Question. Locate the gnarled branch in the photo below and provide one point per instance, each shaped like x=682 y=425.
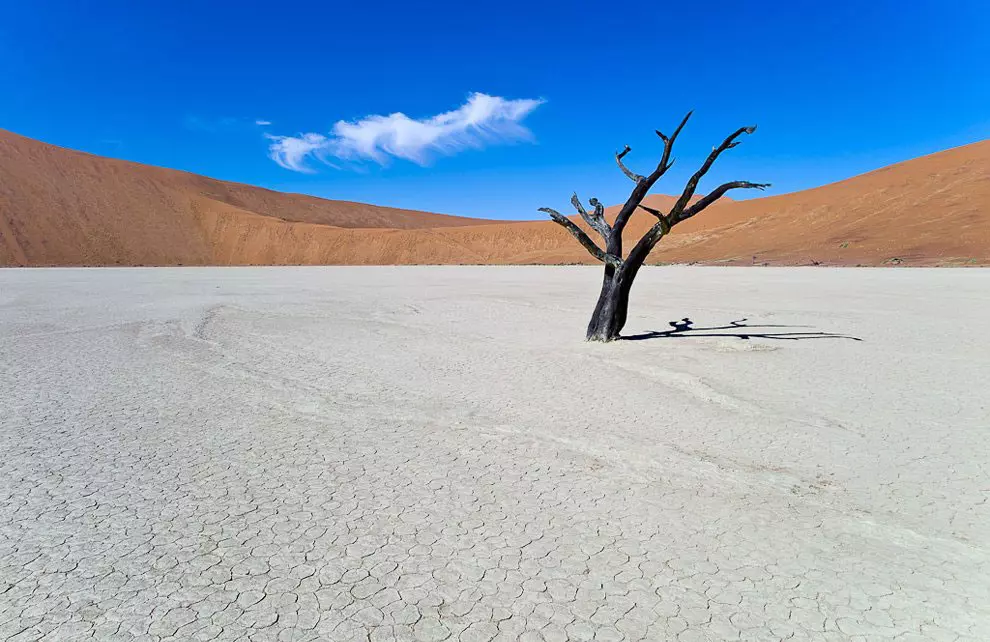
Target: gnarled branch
x=609 y=316
x=595 y=219
x=583 y=238
x=633 y=176
x=643 y=187
x=599 y=208
x=680 y=212
x=692 y=184
x=716 y=194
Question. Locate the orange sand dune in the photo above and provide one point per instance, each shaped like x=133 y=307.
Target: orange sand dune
x=61 y=207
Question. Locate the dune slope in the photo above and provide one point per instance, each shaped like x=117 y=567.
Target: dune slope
x=62 y=207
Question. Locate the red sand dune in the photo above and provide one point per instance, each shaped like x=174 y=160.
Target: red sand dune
x=62 y=207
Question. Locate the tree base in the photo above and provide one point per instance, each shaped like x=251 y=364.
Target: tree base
x=610 y=314
x=602 y=332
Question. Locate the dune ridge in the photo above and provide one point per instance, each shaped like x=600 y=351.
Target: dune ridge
x=63 y=207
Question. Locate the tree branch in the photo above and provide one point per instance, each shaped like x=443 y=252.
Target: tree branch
x=643 y=187
x=626 y=269
x=637 y=256
x=716 y=194
x=583 y=238
x=678 y=212
x=668 y=147
x=652 y=211
x=633 y=176
x=596 y=219
x=599 y=209
x=692 y=184
x=662 y=227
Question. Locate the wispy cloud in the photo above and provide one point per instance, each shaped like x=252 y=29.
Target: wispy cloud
x=225 y=125
x=482 y=120
x=291 y=152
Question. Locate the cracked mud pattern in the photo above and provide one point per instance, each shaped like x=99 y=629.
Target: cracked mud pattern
x=434 y=454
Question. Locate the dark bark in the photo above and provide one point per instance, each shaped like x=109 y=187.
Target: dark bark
x=611 y=310
x=583 y=239
x=633 y=176
x=595 y=219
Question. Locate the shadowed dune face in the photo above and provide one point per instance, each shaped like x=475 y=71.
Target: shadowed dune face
x=61 y=207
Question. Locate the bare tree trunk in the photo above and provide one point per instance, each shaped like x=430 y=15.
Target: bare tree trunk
x=609 y=316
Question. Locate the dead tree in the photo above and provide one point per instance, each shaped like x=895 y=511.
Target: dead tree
x=610 y=312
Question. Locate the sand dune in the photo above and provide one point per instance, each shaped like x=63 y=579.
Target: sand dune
x=62 y=207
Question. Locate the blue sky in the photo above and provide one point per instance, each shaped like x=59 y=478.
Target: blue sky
x=837 y=88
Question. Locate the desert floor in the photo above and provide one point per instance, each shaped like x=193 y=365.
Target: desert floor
x=435 y=453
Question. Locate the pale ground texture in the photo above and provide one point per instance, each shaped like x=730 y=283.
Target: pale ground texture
x=435 y=454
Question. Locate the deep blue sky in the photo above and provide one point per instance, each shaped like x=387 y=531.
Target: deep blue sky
x=837 y=88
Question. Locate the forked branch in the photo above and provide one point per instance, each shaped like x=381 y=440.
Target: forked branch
x=643 y=187
x=583 y=238
x=716 y=194
x=662 y=227
x=692 y=184
x=595 y=219
x=668 y=146
x=626 y=269
x=610 y=312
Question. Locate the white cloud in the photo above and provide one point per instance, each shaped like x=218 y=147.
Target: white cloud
x=262 y=122
x=482 y=120
x=290 y=152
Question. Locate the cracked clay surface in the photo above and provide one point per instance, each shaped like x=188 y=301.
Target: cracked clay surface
x=424 y=453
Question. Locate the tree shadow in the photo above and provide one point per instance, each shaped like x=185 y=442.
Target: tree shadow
x=685 y=329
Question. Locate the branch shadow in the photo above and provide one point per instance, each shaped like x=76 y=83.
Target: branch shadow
x=684 y=329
